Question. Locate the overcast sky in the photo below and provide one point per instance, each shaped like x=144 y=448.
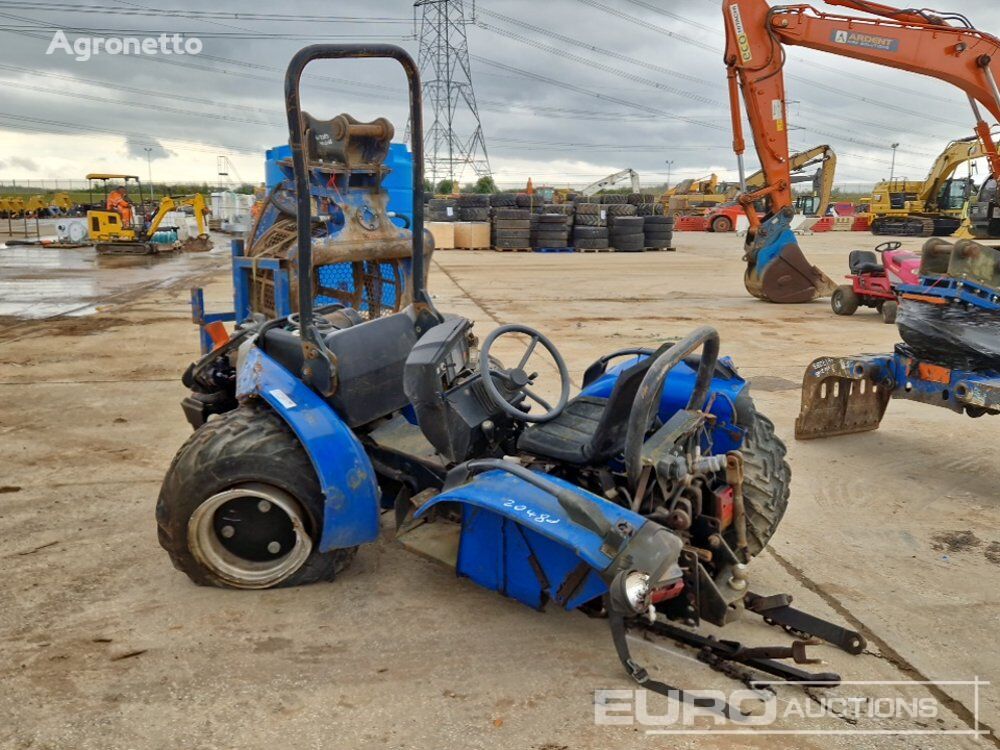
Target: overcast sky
x=554 y=105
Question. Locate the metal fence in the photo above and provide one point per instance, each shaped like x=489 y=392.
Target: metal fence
x=14 y=187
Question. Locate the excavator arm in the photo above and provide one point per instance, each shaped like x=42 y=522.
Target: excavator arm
x=611 y=180
x=169 y=203
x=955 y=155
x=756 y=33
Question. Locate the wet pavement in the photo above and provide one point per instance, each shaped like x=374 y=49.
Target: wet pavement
x=38 y=282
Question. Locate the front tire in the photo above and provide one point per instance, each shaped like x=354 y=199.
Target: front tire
x=241 y=507
x=766 y=484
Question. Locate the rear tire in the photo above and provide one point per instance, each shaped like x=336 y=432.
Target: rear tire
x=844 y=301
x=766 y=484
x=889 y=309
x=241 y=507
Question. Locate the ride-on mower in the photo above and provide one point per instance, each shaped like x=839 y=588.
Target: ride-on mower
x=873 y=284
x=643 y=498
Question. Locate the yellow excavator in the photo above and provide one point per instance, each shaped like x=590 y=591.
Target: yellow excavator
x=932 y=207
x=115 y=232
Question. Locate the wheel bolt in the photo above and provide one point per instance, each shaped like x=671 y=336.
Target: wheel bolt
x=263 y=506
x=228 y=532
x=274 y=548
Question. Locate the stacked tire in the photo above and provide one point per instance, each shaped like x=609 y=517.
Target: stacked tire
x=625 y=228
x=503 y=200
x=590 y=231
x=442 y=209
x=551 y=230
x=511 y=228
x=474 y=207
x=658 y=232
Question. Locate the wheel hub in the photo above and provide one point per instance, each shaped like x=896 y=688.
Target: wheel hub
x=252 y=535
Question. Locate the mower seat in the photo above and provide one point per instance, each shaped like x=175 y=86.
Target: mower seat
x=864 y=261
x=590 y=430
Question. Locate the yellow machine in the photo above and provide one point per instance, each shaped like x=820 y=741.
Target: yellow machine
x=696 y=197
x=112 y=237
x=932 y=207
x=699 y=197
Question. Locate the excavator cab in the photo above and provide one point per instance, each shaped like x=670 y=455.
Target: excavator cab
x=984 y=211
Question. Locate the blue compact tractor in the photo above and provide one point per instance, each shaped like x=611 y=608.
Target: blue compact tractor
x=642 y=499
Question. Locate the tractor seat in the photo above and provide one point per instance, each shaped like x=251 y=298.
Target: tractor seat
x=590 y=430
x=864 y=261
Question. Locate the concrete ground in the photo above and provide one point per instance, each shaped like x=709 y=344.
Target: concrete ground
x=104 y=645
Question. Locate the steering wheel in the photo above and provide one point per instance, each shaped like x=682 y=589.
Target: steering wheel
x=647 y=399
x=519 y=378
x=887 y=247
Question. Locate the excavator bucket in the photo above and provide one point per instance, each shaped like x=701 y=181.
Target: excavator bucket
x=777 y=269
x=199 y=244
x=841 y=396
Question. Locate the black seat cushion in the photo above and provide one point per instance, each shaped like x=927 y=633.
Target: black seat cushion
x=864 y=261
x=568 y=436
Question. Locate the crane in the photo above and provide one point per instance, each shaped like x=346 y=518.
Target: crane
x=915 y=40
x=611 y=180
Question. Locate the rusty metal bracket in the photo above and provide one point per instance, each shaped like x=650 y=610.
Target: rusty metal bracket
x=844 y=395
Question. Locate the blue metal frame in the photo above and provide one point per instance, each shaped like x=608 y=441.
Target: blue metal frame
x=903 y=374
x=346 y=475
x=955 y=290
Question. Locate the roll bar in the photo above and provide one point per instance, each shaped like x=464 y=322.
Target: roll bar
x=316 y=368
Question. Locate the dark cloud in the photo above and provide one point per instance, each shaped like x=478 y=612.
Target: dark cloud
x=19 y=162
x=137 y=148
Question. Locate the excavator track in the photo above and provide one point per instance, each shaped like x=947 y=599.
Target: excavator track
x=908 y=226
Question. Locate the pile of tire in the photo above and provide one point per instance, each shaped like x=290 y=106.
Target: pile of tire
x=511 y=229
x=590 y=231
x=474 y=207
x=658 y=232
x=442 y=209
x=551 y=230
x=625 y=229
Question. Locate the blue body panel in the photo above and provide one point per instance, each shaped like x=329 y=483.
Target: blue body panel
x=346 y=475
x=508 y=523
x=725 y=390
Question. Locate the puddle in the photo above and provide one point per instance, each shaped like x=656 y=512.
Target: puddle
x=38 y=282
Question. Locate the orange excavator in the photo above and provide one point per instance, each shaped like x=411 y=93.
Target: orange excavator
x=941 y=45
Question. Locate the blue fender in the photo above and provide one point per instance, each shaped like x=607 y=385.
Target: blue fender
x=518 y=539
x=346 y=475
x=726 y=391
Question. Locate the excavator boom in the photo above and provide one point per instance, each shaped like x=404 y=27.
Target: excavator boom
x=917 y=41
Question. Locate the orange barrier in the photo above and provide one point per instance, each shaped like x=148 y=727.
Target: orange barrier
x=690 y=224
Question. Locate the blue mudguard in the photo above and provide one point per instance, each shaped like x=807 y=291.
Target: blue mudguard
x=518 y=539
x=346 y=476
x=727 y=392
